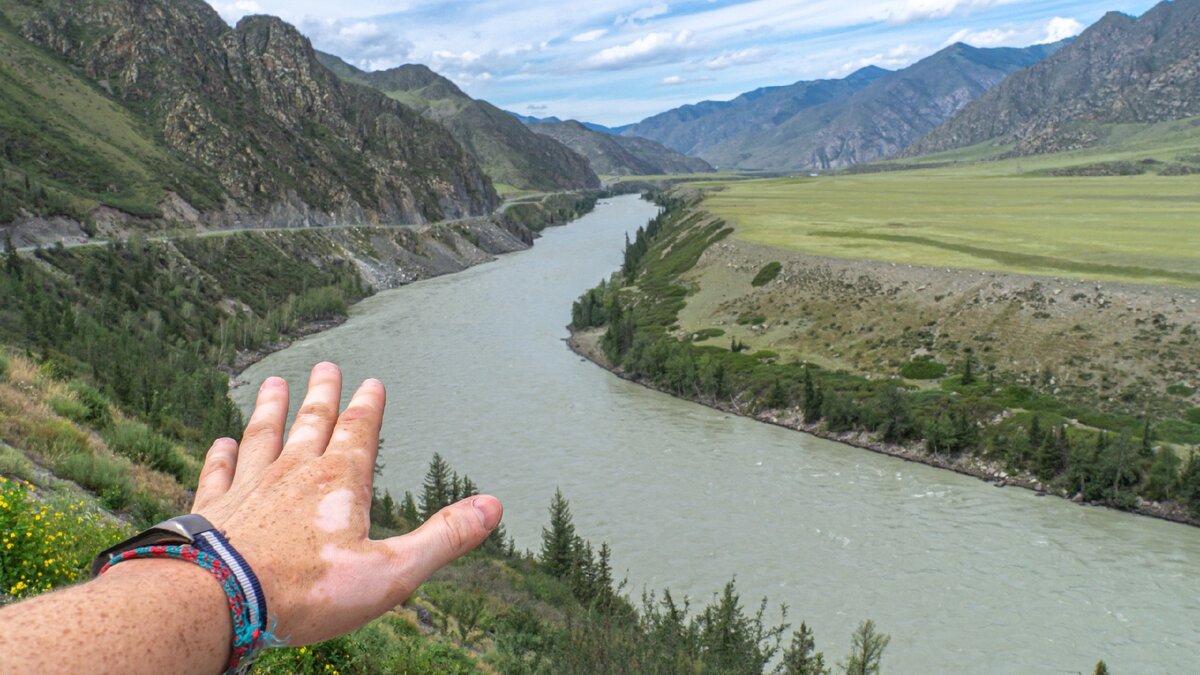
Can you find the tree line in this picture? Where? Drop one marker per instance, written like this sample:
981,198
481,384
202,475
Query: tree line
970,414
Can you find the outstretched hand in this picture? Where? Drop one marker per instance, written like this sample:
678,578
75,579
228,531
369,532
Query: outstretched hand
298,511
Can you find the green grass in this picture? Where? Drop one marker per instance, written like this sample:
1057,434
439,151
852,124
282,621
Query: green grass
1005,216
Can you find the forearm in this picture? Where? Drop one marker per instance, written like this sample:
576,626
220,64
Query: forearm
142,616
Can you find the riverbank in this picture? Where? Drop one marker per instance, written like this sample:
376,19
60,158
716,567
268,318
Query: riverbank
587,345
388,259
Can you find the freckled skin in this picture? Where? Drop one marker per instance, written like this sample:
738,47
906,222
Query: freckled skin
298,513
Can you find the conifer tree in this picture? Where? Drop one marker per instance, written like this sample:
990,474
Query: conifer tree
866,650
558,542
1101,668
1163,475
408,509
801,657
968,374
438,489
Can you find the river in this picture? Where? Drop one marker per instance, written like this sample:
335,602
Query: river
966,577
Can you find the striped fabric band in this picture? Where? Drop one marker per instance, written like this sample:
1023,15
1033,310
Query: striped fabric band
215,543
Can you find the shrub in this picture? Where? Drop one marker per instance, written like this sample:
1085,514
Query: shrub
69,408
1181,390
108,479
98,414
1192,415
142,445
751,320
923,369
3,367
55,438
47,544
767,274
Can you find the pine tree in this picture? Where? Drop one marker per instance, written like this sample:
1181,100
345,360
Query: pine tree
968,374
866,650
12,261
1163,475
1147,450
408,509
438,489
813,399
558,542
801,657
1101,668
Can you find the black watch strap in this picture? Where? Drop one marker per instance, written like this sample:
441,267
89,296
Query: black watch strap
174,531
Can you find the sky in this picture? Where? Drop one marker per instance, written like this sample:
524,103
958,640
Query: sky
619,61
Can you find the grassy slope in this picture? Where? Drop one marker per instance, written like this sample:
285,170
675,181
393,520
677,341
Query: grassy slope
71,137
998,215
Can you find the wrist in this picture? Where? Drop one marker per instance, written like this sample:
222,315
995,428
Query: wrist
173,588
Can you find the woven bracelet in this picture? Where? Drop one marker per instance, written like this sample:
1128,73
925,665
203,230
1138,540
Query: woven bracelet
247,603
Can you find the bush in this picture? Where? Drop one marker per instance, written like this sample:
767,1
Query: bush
142,445
923,369
69,408
98,414
1192,415
3,367
767,274
47,544
55,438
108,479
383,646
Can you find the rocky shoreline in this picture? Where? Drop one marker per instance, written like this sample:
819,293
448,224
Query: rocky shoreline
586,345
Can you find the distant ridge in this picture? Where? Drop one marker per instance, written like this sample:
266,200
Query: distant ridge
611,155
694,129
880,117
1120,70
590,125
509,152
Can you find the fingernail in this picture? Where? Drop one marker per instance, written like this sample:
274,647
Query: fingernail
488,509
325,367
372,382
274,381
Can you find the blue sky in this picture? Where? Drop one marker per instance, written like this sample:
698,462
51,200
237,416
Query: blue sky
618,61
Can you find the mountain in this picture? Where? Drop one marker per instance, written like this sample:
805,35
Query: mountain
1120,70
142,106
693,129
880,118
611,155
508,151
590,125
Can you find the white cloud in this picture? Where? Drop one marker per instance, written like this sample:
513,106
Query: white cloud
648,49
644,14
897,57
740,57
994,37
1060,28
232,11
672,81
363,43
921,10
591,35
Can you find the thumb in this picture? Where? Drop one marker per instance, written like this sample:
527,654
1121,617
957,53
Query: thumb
452,532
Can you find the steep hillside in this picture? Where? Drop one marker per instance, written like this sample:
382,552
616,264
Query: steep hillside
611,155
128,103
508,151
881,118
693,129
1120,70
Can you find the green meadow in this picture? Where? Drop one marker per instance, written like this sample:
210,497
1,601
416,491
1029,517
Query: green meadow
1011,215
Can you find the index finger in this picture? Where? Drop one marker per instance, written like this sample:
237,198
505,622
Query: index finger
356,436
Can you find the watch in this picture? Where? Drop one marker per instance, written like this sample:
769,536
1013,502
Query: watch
171,532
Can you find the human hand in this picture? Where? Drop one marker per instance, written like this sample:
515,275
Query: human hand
298,512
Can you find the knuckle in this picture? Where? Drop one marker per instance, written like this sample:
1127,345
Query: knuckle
359,413
260,430
457,532
316,412
215,465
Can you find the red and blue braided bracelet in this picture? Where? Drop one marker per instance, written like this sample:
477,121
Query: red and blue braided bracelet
246,601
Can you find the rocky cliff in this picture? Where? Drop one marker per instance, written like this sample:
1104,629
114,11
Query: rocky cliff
272,135
1120,70
509,153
